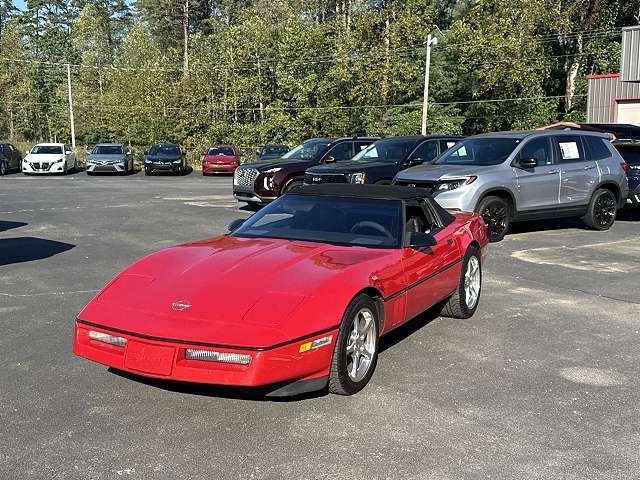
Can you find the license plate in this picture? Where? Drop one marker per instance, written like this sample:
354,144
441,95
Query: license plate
148,358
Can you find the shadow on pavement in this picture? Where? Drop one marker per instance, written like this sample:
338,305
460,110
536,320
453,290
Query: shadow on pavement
256,394
404,331
28,249
546,225
629,214
4,226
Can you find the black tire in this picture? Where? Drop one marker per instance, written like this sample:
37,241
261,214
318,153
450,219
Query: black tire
340,382
290,185
147,171
65,169
601,213
3,168
496,213
456,306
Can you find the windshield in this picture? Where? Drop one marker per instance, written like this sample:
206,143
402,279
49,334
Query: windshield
388,150
221,151
479,151
335,220
630,153
275,150
172,150
107,150
307,150
47,150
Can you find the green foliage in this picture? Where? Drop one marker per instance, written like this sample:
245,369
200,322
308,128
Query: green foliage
264,71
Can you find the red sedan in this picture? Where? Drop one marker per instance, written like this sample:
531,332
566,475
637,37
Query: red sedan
325,271
220,159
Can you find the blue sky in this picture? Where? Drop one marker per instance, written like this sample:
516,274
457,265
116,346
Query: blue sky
19,3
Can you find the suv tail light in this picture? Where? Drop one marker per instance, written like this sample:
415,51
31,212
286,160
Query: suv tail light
625,166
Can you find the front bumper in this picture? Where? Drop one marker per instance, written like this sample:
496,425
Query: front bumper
634,196
277,366
219,168
92,167
42,167
160,167
251,197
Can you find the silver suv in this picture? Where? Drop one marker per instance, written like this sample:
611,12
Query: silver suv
515,176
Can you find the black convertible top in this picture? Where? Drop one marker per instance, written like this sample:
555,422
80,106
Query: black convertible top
389,192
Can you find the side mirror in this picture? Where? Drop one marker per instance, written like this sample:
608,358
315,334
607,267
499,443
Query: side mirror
68,152
235,224
129,152
329,159
527,163
421,240
414,161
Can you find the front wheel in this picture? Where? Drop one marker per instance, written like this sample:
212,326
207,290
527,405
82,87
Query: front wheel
290,185
602,210
496,214
464,301
3,168
147,171
355,352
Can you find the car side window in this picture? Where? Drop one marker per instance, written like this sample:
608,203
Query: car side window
596,148
416,220
361,146
570,148
426,151
447,144
342,151
538,149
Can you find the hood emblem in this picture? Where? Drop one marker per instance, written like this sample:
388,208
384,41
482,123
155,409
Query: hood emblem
180,305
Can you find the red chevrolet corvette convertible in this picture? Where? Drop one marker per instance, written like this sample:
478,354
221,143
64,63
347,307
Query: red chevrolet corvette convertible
295,298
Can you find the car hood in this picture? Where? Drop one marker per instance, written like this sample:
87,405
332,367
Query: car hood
263,166
348,166
241,292
43,157
437,172
105,157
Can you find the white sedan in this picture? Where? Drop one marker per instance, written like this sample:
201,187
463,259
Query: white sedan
49,158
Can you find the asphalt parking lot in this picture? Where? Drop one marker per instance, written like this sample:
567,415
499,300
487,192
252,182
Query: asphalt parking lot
542,383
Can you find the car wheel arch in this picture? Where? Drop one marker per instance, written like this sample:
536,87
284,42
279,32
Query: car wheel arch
611,186
286,184
502,193
376,296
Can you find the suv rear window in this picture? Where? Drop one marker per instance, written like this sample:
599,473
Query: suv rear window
596,148
630,153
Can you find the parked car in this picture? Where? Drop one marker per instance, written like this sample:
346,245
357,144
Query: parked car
630,151
49,158
165,158
271,152
382,160
220,159
109,158
262,182
515,176
10,158
339,266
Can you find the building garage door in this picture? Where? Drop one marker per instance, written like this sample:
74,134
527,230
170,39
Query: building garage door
628,112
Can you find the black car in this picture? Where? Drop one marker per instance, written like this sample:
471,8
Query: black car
10,158
272,152
379,162
261,182
164,157
630,151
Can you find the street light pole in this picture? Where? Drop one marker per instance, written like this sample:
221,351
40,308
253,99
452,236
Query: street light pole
431,41
73,127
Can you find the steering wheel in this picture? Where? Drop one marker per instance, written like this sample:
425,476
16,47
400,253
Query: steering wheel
372,225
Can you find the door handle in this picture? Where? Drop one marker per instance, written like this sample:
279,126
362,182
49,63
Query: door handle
590,167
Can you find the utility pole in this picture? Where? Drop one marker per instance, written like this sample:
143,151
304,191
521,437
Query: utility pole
73,127
431,41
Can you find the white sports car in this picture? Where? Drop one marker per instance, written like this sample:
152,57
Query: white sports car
49,158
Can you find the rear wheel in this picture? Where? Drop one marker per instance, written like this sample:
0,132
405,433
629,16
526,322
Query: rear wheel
464,301
602,210
496,213
3,168
147,171
355,352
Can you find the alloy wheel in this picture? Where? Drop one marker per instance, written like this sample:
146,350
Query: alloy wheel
604,210
361,345
3,168
495,217
472,282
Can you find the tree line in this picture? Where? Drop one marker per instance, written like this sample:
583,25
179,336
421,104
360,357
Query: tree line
251,72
